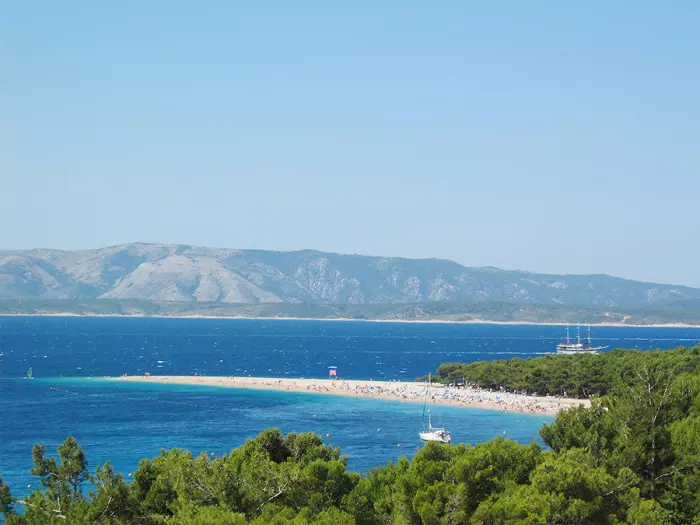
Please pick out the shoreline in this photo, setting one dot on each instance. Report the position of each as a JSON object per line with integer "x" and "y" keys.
{"x": 465, "y": 397}
{"x": 345, "y": 320}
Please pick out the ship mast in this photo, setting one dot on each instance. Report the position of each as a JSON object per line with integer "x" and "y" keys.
{"x": 430, "y": 421}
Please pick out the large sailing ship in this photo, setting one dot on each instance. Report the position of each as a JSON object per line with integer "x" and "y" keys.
{"x": 585, "y": 347}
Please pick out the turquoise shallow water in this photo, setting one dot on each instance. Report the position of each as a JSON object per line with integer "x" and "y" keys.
{"x": 126, "y": 422}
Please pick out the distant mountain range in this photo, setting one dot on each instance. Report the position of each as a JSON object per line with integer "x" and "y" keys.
{"x": 272, "y": 282}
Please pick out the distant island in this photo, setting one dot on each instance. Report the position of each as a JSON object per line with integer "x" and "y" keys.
{"x": 180, "y": 280}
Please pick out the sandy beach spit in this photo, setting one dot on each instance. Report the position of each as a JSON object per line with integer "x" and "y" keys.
{"x": 392, "y": 390}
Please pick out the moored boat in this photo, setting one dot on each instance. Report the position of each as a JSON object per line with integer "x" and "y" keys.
{"x": 586, "y": 347}
{"x": 431, "y": 433}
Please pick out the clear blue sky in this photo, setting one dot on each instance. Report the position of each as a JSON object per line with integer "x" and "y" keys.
{"x": 548, "y": 136}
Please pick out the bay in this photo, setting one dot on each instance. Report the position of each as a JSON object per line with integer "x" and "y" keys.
{"x": 126, "y": 422}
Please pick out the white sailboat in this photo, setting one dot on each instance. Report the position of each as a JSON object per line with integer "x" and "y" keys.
{"x": 441, "y": 435}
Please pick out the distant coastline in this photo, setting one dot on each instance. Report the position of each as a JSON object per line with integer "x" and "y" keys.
{"x": 354, "y": 320}
{"x": 175, "y": 280}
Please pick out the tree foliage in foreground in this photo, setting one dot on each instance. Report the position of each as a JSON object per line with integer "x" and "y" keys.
{"x": 632, "y": 457}
{"x": 579, "y": 376}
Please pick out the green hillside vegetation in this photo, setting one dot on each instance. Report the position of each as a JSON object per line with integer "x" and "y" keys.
{"x": 497, "y": 311}
{"x": 580, "y": 376}
{"x": 632, "y": 457}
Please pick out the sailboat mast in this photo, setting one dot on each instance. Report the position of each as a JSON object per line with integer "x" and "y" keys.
{"x": 568, "y": 339}
{"x": 430, "y": 421}
{"x": 589, "y": 335}
{"x": 578, "y": 333}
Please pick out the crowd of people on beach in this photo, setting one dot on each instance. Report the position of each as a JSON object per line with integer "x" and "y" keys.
{"x": 469, "y": 396}
{"x": 395, "y": 390}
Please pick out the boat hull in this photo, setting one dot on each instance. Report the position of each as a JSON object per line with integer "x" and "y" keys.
{"x": 579, "y": 349}
{"x": 434, "y": 436}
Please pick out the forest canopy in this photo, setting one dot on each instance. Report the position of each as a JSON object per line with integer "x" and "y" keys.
{"x": 579, "y": 376}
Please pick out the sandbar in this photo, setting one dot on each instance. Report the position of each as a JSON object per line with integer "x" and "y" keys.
{"x": 391, "y": 390}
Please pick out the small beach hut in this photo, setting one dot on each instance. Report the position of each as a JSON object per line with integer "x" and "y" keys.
{"x": 333, "y": 372}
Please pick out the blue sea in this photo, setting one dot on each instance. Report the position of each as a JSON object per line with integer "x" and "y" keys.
{"x": 70, "y": 356}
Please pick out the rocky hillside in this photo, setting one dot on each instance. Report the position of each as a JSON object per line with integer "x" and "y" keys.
{"x": 157, "y": 272}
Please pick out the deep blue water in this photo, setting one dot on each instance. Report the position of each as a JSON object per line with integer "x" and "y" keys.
{"x": 72, "y": 346}
{"x": 125, "y": 422}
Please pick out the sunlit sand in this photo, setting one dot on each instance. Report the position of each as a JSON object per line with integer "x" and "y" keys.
{"x": 392, "y": 390}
